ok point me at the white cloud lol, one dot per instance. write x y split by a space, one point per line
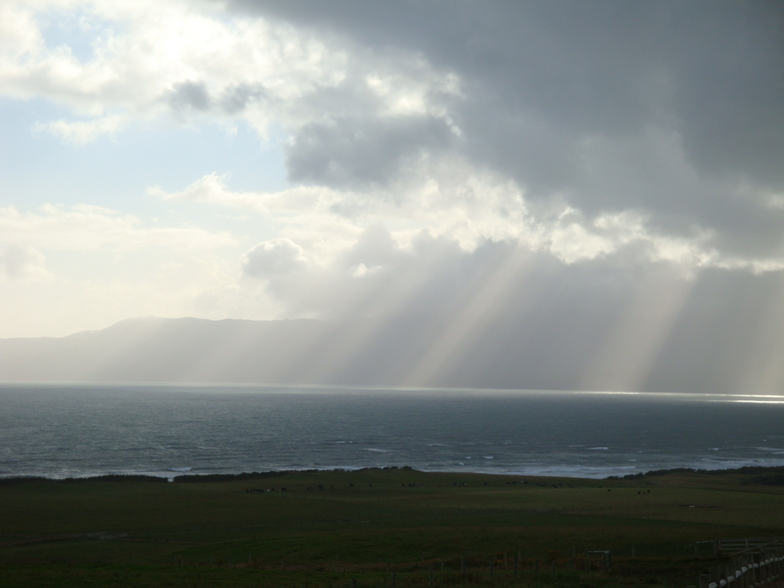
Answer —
19 33
451 200
21 261
194 61
212 188
101 266
91 292
274 258
83 132
148 55
88 228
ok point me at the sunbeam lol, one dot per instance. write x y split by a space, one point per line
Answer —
763 371
622 361
488 298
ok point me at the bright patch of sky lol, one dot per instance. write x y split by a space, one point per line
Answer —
37 167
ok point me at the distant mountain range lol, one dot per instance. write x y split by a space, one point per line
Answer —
166 350
394 351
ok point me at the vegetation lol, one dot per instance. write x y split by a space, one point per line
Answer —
377 527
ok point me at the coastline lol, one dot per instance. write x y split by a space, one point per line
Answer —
762 475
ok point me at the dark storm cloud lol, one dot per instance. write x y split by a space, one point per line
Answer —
349 151
673 108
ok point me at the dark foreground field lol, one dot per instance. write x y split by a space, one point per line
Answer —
378 528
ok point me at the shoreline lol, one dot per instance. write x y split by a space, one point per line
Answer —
766 475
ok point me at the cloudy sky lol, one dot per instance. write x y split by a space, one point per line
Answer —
333 159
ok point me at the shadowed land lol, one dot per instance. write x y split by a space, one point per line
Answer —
329 528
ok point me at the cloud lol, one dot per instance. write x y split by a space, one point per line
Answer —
665 109
89 228
235 100
83 132
361 152
454 202
609 109
20 261
274 258
148 58
189 95
212 188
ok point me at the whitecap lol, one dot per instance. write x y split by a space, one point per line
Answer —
771 449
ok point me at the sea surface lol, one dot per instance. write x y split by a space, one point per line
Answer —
60 431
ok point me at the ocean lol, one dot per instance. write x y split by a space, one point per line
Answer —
60 431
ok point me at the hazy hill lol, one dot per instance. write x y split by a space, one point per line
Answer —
165 350
539 352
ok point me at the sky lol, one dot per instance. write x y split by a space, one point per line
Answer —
338 160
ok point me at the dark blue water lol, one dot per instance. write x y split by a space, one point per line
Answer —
69 431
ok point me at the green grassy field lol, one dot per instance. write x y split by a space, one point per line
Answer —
375 528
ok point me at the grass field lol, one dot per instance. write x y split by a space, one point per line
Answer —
377 527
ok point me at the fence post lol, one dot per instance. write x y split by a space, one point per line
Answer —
714 574
754 570
768 566
747 573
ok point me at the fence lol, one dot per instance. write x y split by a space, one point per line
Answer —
746 570
738 546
